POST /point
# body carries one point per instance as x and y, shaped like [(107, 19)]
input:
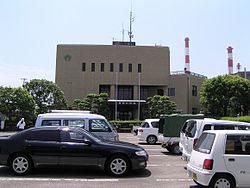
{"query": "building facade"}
[(129, 74)]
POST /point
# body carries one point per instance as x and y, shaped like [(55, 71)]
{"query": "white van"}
[(96, 124), (221, 159), (193, 128)]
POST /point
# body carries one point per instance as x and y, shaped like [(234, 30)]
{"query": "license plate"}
[(194, 176)]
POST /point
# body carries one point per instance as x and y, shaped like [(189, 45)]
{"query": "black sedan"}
[(72, 146)]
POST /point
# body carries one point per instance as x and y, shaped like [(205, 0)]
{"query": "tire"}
[(21, 164), (151, 139), (118, 165), (222, 180), (175, 149)]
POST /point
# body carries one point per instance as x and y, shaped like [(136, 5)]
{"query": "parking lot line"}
[(171, 180), (58, 179)]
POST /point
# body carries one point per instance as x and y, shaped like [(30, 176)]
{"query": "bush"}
[(125, 126), (241, 118)]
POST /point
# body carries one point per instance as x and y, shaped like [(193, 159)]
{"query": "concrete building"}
[(129, 70)]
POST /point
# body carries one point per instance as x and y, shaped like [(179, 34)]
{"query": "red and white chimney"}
[(187, 58), (230, 60)]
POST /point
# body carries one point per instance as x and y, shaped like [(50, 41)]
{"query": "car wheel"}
[(21, 164), (118, 166), (222, 180), (175, 149), (151, 139)]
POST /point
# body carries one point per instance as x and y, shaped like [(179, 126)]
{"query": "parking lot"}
[(164, 170)]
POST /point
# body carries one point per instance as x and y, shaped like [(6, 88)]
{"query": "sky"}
[(31, 30)]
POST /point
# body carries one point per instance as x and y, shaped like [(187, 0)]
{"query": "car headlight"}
[(141, 153)]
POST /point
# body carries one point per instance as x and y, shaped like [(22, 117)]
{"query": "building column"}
[(112, 92), (135, 92)]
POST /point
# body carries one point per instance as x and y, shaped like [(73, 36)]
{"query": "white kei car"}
[(148, 131), (221, 159)]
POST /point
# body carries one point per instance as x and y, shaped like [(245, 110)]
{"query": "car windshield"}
[(205, 143)]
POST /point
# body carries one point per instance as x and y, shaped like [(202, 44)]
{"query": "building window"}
[(139, 67), (104, 89), (129, 67), (160, 92), (120, 67), (125, 92), (92, 67), (102, 67), (111, 67), (171, 91), (83, 67), (194, 90), (144, 93)]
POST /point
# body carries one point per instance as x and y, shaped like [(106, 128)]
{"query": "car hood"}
[(122, 144)]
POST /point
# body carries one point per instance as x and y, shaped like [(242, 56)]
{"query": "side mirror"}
[(87, 141)]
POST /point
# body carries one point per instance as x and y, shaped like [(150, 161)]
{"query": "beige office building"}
[(129, 70)]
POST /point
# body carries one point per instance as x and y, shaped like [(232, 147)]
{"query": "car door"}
[(43, 146), (190, 133), (237, 157), (77, 149)]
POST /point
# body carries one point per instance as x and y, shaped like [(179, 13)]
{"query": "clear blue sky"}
[(31, 29)]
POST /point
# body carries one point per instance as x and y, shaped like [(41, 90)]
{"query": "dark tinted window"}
[(206, 127), (130, 67), (145, 125), (83, 67), (155, 124), (51, 122), (44, 135), (92, 67), (205, 143), (191, 129), (102, 67), (139, 68), (120, 67), (238, 144), (111, 67), (183, 129), (224, 127), (243, 127)]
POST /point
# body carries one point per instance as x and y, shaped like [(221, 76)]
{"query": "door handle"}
[(231, 159)]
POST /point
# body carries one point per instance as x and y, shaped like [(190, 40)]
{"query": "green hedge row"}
[(125, 126), (241, 118)]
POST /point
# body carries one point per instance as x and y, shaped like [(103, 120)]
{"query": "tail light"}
[(208, 164), (195, 141), (140, 130)]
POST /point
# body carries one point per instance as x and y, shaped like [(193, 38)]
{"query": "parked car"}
[(97, 124), (148, 131), (193, 128), (221, 159), (72, 146), (169, 130)]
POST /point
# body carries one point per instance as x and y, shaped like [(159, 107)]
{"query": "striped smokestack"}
[(230, 60), (187, 58)]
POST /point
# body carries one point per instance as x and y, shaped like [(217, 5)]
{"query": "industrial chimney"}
[(230, 60), (187, 58)]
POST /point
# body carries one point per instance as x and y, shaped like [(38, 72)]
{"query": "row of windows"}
[(111, 67)]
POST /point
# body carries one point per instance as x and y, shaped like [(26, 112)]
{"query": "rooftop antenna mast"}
[(132, 19)]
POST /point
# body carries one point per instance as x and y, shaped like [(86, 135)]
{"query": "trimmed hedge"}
[(125, 126), (241, 118)]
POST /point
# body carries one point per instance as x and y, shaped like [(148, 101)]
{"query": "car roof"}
[(71, 115), (151, 120), (228, 132)]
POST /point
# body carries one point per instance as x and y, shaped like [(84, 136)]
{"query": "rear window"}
[(205, 143), (155, 124), (183, 129)]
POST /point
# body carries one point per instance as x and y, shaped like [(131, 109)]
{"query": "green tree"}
[(16, 103), (158, 105), (96, 103), (225, 95), (47, 95)]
